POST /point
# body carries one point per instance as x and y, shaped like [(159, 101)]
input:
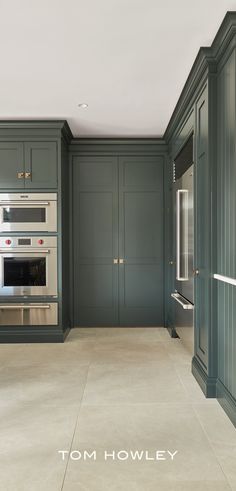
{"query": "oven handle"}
[(24, 203), (23, 307), (25, 251)]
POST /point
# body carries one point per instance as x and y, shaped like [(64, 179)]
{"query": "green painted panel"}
[(141, 237), (41, 163), (96, 224), (202, 231), (11, 162), (226, 225), (95, 240)]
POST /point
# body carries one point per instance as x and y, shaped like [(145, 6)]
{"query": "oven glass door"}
[(24, 273), (28, 216), (18, 214)]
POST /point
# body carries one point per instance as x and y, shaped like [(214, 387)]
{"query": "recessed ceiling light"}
[(83, 105)]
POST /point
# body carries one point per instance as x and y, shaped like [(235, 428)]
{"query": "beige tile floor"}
[(110, 390)]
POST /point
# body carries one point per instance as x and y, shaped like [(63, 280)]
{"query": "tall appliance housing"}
[(184, 244)]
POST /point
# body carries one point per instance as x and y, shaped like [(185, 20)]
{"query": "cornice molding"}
[(206, 63), (60, 126), (118, 141)]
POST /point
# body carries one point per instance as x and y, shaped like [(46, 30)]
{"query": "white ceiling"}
[(128, 59)]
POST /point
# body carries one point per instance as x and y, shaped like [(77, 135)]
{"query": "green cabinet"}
[(118, 240), (202, 231), (28, 165), (11, 165)]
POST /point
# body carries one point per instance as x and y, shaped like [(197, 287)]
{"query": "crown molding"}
[(205, 64)]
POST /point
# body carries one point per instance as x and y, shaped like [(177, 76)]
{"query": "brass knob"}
[(121, 261), (115, 261), (171, 263), (28, 175), (20, 175), (196, 272)]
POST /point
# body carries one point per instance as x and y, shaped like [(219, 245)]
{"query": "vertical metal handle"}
[(181, 245)]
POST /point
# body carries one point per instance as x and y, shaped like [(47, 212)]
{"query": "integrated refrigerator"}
[(183, 296)]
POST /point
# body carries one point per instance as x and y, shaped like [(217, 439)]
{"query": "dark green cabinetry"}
[(118, 240), (41, 164), (34, 156), (202, 230), (226, 230), (141, 241), (28, 165), (11, 165), (95, 240)]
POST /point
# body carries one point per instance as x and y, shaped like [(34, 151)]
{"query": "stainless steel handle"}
[(179, 276), (24, 203), (24, 251), (225, 279), (23, 307), (185, 304)]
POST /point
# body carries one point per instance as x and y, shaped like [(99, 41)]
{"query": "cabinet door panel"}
[(95, 228), (141, 241), (41, 164), (11, 163), (202, 232)]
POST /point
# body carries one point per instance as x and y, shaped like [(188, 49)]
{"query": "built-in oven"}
[(28, 266), (28, 212)]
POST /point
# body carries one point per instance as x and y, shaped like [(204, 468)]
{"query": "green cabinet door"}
[(118, 215), (11, 165), (95, 244), (202, 232), (141, 238), (40, 164)]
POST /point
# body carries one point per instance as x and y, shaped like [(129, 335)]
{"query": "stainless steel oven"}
[(28, 212), (28, 266), (28, 314)]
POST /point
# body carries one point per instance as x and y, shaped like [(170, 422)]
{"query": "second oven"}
[(28, 266), (28, 212)]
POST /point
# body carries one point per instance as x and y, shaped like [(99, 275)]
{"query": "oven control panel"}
[(28, 242)]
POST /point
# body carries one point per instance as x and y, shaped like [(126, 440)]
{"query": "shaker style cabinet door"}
[(11, 165), (141, 235), (40, 164), (95, 231)]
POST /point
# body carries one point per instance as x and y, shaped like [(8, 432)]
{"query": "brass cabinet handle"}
[(121, 261), (20, 175), (115, 261), (27, 175)]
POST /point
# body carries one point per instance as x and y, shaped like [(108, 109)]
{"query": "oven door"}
[(24, 272), (25, 216)]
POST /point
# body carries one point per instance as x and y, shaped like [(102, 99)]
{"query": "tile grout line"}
[(76, 424), (212, 448)]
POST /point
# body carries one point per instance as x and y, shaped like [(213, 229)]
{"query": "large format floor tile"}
[(110, 390), (30, 439), (44, 384), (128, 383)]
